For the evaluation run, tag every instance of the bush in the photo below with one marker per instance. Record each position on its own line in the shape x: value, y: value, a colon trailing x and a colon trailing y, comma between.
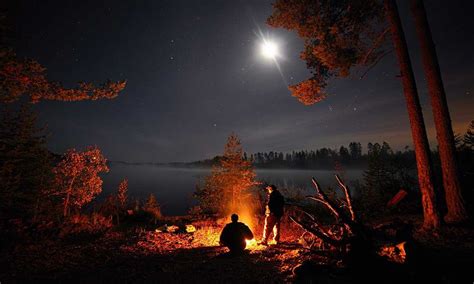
x: 152, y: 208
x: 78, y: 226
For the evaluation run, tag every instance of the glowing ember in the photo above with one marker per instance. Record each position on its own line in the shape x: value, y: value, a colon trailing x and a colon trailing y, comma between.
x: 394, y: 253
x: 253, y: 245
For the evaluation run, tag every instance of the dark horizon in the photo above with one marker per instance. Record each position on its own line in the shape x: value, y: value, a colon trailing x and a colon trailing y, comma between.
x: 194, y: 76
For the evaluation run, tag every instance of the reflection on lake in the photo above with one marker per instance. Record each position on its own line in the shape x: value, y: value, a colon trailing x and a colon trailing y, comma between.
x: 173, y: 187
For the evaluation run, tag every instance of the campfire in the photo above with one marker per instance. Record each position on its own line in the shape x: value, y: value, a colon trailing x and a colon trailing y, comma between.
x: 252, y: 244
x: 207, y: 233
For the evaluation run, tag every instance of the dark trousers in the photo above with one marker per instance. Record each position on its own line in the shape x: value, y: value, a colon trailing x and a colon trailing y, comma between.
x: 237, y: 248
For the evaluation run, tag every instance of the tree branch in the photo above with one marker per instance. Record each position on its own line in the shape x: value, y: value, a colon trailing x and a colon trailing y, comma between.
x: 318, y: 233
x: 376, y: 44
x: 347, y: 196
x: 334, y: 212
x: 375, y: 63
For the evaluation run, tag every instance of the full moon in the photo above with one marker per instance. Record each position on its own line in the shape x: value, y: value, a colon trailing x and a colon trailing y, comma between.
x: 269, y: 49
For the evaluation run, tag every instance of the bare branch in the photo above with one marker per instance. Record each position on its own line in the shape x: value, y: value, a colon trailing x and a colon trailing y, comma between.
x: 325, y: 200
x: 309, y: 215
x: 375, y: 63
x: 347, y: 196
x: 316, y: 185
x: 333, y: 211
x: 374, y: 47
x: 318, y: 233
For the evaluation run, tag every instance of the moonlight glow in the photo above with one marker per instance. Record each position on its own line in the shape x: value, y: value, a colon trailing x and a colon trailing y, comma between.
x: 269, y: 49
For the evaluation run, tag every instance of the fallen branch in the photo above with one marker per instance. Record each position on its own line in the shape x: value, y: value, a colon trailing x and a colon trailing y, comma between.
x: 347, y: 196
x: 318, y: 233
x: 323, y: 198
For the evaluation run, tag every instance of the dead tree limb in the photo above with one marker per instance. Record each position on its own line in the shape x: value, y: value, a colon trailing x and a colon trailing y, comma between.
x: 318, y: 233
x: 375, y: 63
x: 334, y: 212
x: 347, y: 196
x: 323, y: 198
x: 331, y: 205
x: 378, y: 42
x: 345, y: 228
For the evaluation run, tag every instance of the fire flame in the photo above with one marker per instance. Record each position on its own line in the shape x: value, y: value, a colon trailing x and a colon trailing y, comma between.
x: 251, y: 243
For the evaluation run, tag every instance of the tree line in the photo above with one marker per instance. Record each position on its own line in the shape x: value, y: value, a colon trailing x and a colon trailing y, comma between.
x: 352, y: 156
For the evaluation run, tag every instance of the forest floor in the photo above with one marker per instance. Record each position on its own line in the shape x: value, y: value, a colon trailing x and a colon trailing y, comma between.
x: 182, y: 257
x: 139, y: 255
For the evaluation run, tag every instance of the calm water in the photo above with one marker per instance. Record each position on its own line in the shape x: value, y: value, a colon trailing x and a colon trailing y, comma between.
x: 173, y: 187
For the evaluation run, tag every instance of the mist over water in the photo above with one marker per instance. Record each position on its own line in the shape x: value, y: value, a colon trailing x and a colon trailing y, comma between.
x: 174, y: 186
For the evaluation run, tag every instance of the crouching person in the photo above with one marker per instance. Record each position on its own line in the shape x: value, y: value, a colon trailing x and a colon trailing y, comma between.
x: 234, y: 235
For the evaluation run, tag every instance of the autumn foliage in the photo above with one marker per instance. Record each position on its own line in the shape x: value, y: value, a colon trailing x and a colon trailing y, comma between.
x: 337, y: 35
x: 309, y: 91
x: 122, y: 193
x: 77, y: 177
x: 19, y: 77
x: 26, y: 77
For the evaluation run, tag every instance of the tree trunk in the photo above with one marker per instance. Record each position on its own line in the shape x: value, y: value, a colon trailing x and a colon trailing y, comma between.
x: 420, y: 139
x: 66, y: 203
x: 444, y: 132
x: 68, y: 195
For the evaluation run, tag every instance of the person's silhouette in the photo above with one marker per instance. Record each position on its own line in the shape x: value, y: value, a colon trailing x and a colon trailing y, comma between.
x: 234, y: 235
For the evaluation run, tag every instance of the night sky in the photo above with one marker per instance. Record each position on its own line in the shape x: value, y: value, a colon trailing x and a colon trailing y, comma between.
x: 195, y: 74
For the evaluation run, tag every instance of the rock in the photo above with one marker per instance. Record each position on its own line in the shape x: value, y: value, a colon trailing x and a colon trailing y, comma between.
x: 190, y: 229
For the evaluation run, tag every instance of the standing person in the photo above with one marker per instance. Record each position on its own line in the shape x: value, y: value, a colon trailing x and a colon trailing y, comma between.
x: 234, y: 235
x: 273, y: 214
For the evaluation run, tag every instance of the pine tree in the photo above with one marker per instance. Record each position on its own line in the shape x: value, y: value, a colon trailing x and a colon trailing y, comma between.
x: 228, y: 185
x: 151, y: 206
x: 25, y: 164
x: 122, y: 193
x: 355, y: 149
x: 468, y: 138
x: 444, y: 133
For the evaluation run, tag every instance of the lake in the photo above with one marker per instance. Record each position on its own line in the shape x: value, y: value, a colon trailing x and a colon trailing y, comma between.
x: 173, y: 186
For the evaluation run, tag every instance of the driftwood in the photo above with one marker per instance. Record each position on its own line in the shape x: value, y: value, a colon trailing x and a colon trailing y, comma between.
x: 342, y: 211
x: 361, y: 254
